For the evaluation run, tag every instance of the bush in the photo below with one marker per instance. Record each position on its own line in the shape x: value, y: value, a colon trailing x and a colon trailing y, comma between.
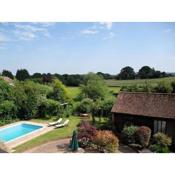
x: 85, y: 106
x: 161, y: 143
x: 26, y: 98
x: 48, y: 107
x: 8, y: 112
x: 106, y: 141
x: 143, y: 135
x: 162, y: 139
x: 173, y: 86
x: 128, y: 134
x: 163, y: 87
x: 60, y: 92
x: 86, y: 133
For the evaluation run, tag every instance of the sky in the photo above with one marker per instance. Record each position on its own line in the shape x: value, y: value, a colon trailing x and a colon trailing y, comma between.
x: 79, y: 47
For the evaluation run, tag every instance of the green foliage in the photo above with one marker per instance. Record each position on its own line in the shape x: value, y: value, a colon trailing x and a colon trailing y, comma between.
x: 60, y: 92
x: 163, y: 87
x: 48, y: 107
x: 159, y: 149
x: 85, y: 106
x: 26, y: 96
x: 106, y: 141
x: 128, y: 134
x: 161, y: 143
x: 8, y: 112
x: 93, y: 87
x: 22, y: 75
x: 47, y: 78
x: 173, y: 86
x: 143, y: 135
x: 160, y: 87
x: 7, y: 73
x: 6, y: 91
x: 126, y: 73
x: 145, y: 72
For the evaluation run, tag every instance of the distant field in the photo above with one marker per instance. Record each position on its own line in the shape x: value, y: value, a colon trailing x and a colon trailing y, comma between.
x: 74, y: 91
x: 115, y: 85
x: 120, y: 83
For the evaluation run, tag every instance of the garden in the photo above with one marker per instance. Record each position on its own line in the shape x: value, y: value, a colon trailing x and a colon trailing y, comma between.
x: 139, y: 138
x: 48, y: 100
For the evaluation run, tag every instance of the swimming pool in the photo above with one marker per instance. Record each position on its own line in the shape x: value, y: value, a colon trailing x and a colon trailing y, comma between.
x: 13, y: 132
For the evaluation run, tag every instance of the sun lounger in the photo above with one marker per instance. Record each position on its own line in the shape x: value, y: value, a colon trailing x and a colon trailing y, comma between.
x: 62, y: 124
x: 55, y: 123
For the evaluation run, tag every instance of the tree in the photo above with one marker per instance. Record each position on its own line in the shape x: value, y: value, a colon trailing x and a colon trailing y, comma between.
x: 26, y: 97
x: 93, y: 87
x: 47, y: 78
x: 7, y: 73
x: 60, y: 92
x: 22, y: 74
x: 37, y: 75
x: 146, y: 72
x: 127, y: 73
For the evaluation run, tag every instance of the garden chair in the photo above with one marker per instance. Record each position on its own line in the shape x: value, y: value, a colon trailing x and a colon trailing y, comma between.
x: 62, y: 124
x: 55, y: 123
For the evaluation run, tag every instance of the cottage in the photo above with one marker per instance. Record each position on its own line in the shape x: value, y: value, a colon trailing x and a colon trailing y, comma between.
x: 155, y: 110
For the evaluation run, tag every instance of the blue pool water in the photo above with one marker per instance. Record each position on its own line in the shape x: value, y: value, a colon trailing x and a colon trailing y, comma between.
x: 16, y: 131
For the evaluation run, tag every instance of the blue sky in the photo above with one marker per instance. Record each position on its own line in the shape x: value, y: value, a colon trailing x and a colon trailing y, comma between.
x: 86, y: 47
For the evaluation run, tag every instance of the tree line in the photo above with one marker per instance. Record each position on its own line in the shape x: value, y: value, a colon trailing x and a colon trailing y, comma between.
x: 126, y: 73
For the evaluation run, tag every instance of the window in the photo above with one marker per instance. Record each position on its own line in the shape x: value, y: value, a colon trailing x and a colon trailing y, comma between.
x: 159, y: 126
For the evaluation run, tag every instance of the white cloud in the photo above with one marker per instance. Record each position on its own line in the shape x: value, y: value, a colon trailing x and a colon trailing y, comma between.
x: 107, y: 25
x: 89, y: 31
x: 29, y: 32
x: 111, y: 35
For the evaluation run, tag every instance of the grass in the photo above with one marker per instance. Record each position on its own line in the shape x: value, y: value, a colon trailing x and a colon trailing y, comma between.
x: 73, y: 91
x: 50, y: 136
x: 120, y: 83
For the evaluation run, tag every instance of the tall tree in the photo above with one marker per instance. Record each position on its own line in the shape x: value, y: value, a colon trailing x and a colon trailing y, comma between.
x: 47, y: 78
x: 126, y: 73
x: 146, y: 72
x: 94, y: 87
x: 22, y: 74
x: 7, y: 74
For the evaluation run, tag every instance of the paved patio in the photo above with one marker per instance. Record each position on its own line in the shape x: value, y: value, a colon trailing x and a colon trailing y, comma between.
x: 59, y: 146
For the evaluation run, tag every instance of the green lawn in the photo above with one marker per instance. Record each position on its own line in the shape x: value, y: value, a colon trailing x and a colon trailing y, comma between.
x: 119, y: 83
x: 73, y: 91
x: 50, y: 136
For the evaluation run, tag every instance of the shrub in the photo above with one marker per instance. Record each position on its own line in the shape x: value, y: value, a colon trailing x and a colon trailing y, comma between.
x: 86, y: 133
x: 162, y: 139
x: 26, y: 98
x: 8, y: 109
x: 128, y: 134
x: 85, y: 106
x: 161, y: 143
x: 163, y: 87
x: 173, y: 86
x: 48, y: 107
x: 106, y: 141
x: 143, y: 135
x: 60, y: 92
